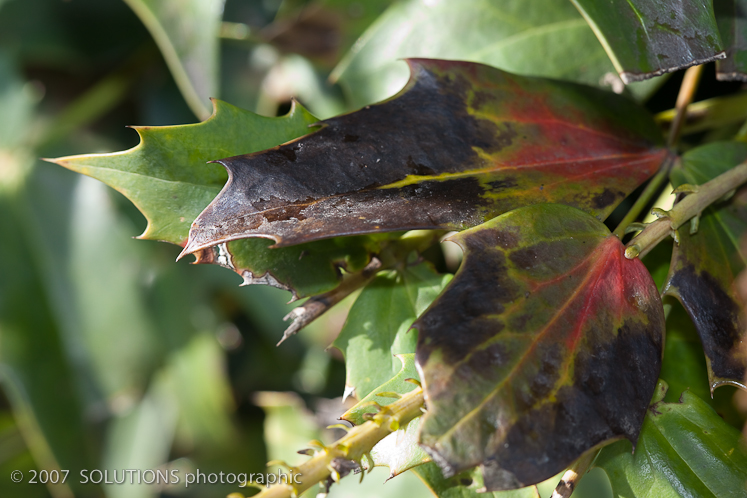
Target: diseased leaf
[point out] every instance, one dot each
(529, 37)
(646, 39)
(732, 23)
(167, 178)
(547, 342)
(377, 325)
(462, 143)
(705, 264)
(684, 449)
(187, 34)
(465, 485)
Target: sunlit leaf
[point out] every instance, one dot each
(377, 325)
(187, 34)
(705, 264)
(645, 39)
(400, 451)
(732, 23)
(547, 342)
(459, 145)
(465, 485)
(684, 449)
(167, 178)
(530, 37)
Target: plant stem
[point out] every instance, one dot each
(651, 190)
(684, 98)
(708, 114)
(574, 474)
(353, 446)
(692, 205)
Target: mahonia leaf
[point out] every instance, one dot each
(732, 23)
(684, 449)
(377, 325)
(462, 143)
(547, 343)
(166, 177)
(646, 39)
(465, 485)
(705, 264)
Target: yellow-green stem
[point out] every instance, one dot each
(651, 190)
(356, 443)
(684, 98)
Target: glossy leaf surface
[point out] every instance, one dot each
(187, 34)
(684, 449)
(530, 37)
(732, 23)
(646, 39)
(547, 342)
(167, 178)
(377, 325)
(705, 264)
(459, 145)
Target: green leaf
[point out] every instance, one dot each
(465, 485)
(732, 23)
(684, 449)
(187, 34)
(530, 37)
(167, 178)
(705, 264)
(547, 342)
(646, 39)
(461, 144)
(377, 325)
(397, 384)
(400, 451)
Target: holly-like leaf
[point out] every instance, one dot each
(684, 449)
(187, 34)
(377, 326)
(705, 264)
(462, 143)
(646, 39)
(167, 178)
(732, 23)
(400, 451)
(547, 342)
(465, 485)
(530, 37)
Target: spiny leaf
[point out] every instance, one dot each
(377, 326)
(400, 451)
(459, 145)
(705, 264)
(529, 37)
(187, 34)
(684, 449)
(732, 23)
(547, 342)
(465, 485)
(646, 39)
(167, 178)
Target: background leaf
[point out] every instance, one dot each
(377, 326)
(705, 264)
(546, 343)
(732, 23)
(684, 449)
(465, 485)
(187, 34)
(645, 39)
(459, 145)
(529, 37)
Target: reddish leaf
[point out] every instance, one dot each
(462, 143)
(547, 342)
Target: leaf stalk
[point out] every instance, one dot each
(353, 446)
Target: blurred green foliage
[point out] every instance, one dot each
(112, 356)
